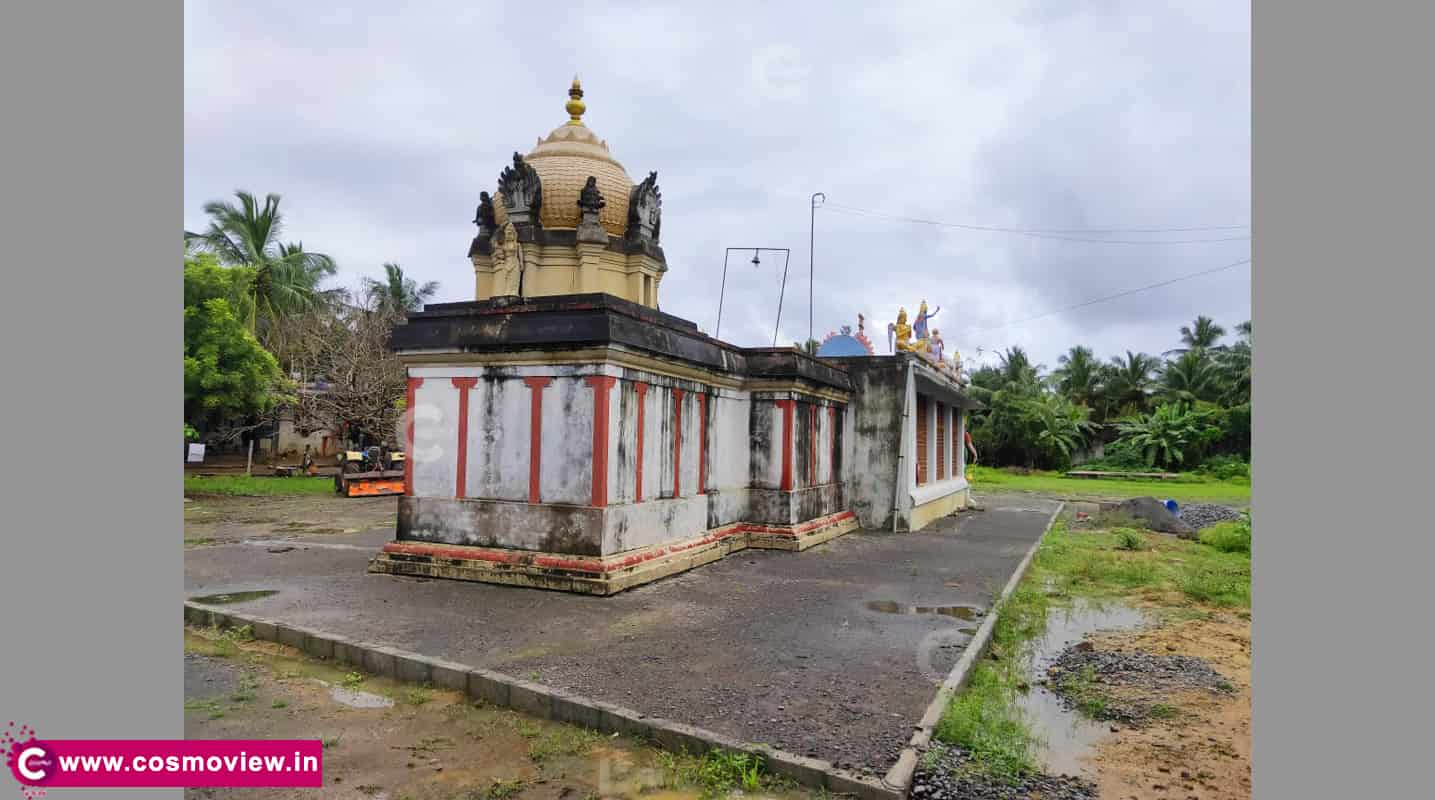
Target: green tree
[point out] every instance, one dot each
(1235, 366)
(1079, 376)
(1018, 373)
(286, 278)
(1131, 380)
(1201, 335)
(1189, 377)
(398, 293)
(1061, 427)
(228, 375)
(1171, 436)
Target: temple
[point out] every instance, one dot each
(564, 433)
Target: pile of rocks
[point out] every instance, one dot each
(1153, 676)
(1204, 515)
(951, 777)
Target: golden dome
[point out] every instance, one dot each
(563, 161)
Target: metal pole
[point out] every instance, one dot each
(249, 462)
(786, 256)
(811, 243)
(722, 290)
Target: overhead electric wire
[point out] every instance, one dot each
(1057, 234)
(1126, 293)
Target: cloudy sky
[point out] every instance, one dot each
(380, 123)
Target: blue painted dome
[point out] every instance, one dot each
(842, 345)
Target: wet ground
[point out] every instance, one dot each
(1203, 749)
(1068, 737)
(221, 519)
(1181, 688)
(393, 742)
(834, 652)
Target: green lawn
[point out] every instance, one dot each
(1187, 487)
(242, 485)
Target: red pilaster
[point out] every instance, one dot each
(677, 442)
(812, 447)
(601, 384)
(702, 443)
(535, 439)
(414, 384)
(642, 389)
(460, 487)
(786, 406)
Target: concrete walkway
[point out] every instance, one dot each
(833, 653)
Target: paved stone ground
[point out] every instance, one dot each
(834, 652)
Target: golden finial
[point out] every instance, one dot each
(575, 106)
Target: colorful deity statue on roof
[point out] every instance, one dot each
(903, 335)
(919, 326)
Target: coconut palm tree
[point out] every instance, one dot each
(1235, 366)
(398, 293)
(1131, 380)
(1189, 377)
(286, 276)
(1017, 371)
(1201, 335)
(1079, 376)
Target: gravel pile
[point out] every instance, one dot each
(1204, 515)
(1153, 677)
(948, 779)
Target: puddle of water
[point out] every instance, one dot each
(960, 612)
(233, 597)
(353, 698)
(1069, 737)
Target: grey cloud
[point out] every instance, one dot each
(381, 123)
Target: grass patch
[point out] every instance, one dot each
(1232, 536)
(226, 641)
(280, 703)
(248, 684)
(1100, 564)
(1130, 539)
(249, 486)
(984, 719)
(1080, 687)
(1162, 711)
(498, 790)
(416, 695)
(353, 680)
(566, 741)
(719, 772)
(1188, 487)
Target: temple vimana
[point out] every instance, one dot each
(564, 433)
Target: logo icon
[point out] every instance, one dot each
(29, 759)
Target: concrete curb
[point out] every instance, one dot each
(899, 778)
(538, 700)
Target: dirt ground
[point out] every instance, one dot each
(1204, 751)
(222, 519)
(422, 744)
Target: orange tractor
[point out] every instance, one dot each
(371, 472)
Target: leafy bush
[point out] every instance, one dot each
(1225, 468)
(1228, 537)
(1171, 433)
(1130, 539)
(1118, 456)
